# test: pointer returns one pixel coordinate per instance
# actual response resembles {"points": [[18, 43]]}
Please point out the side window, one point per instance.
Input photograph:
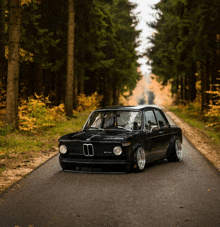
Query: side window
{"points": [[149, 119], [161, 120]]}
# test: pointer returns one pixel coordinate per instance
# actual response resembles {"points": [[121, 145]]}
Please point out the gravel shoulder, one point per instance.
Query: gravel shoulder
{"points": [[199, 140], [21, 167]]}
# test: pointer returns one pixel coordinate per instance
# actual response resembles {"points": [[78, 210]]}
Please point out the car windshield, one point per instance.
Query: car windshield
{"points": [[125, 120]]}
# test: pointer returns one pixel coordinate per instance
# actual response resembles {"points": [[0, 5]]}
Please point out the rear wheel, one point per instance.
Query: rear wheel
{"points": [[176, 151], [140, 158]]}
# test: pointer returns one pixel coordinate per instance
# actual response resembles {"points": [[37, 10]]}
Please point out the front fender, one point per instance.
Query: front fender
{"points": [[171, 142]]}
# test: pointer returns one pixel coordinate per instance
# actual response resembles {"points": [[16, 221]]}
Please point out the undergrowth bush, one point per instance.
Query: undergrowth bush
{"points": [[5, 129], [2, 97], [211, 118], [34, 113], [88, 103], [214, 110]]}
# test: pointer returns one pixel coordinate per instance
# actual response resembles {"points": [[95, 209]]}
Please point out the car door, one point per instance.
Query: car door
{"points": [[152, 137], [164, 134]]}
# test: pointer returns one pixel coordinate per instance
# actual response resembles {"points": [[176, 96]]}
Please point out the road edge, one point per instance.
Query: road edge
{"points": [[30, 170], [203, 143]]}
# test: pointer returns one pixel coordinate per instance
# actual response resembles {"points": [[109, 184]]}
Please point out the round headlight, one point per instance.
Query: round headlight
{"points": [[117, 150], [63, 149]]}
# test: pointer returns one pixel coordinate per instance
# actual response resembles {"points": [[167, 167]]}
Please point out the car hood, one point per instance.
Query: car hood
{"points": [[98, 136]]}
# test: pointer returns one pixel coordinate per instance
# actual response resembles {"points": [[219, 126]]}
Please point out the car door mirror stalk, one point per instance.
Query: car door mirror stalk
{"points": [[154, 128]]}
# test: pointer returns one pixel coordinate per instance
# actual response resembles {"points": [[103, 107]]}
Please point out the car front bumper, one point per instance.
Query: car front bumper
{"points": [[89, 161]]}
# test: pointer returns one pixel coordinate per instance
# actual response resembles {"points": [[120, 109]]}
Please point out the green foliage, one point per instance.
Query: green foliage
{"points": [[105, 41], [36, 41], [109, 56], [13, 143], [105, 57], [192, 115], [5, 129], [185, 49], [126, 43]]}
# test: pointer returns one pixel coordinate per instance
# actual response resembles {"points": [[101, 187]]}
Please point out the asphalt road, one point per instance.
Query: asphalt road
{"points": [[166, 194]]}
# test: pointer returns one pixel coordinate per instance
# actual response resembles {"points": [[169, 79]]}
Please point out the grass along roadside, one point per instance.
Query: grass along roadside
{"points": [[195, 119], [20, 148]]}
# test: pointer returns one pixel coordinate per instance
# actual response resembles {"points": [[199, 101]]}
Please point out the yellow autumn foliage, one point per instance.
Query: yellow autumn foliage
{"points": [[2, 97], [214, 110], [27, 2], [34, 113], [88, 103], [24, 55]]}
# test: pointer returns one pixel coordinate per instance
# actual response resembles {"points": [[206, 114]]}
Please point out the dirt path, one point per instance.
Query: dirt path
{"points": [[199, 140], [20, 166]]}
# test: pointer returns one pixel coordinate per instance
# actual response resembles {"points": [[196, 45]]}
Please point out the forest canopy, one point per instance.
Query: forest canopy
{"points": [[105, 39], [186, 50]]}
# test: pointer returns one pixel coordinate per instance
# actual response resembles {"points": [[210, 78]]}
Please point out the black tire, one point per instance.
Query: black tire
{"points": [[175, 150], [140, 158]]}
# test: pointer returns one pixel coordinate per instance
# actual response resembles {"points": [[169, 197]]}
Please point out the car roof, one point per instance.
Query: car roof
{"points": [[138, 107]]}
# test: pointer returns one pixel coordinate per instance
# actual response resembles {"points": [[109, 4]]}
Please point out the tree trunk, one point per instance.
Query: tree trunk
{"points": [[192, 83], [11, 116], [2, 42], [215, 78], [115, 94], [75, 90], [177, 90], [205, 85], [70, 61], [185, 90], [181, 89], [81, 81]]}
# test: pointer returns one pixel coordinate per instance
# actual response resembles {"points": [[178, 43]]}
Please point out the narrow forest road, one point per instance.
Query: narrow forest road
{"points": [[185, 193]]}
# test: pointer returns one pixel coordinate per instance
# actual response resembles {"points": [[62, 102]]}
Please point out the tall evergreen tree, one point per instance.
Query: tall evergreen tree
{"points": [[70, 88], [11, 116], [2, 41], [191, 51], [105, 41]]}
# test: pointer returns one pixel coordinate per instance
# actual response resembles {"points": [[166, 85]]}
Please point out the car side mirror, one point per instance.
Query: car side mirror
{"points": [[154, 128], [163, 125]]}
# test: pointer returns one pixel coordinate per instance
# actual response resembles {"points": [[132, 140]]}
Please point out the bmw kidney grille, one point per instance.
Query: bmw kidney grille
{"points": [[88, 150]]}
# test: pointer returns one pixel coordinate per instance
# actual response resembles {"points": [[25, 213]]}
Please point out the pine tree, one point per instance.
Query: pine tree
{"points": [[11, 116], [2, 42], [70, 92]]}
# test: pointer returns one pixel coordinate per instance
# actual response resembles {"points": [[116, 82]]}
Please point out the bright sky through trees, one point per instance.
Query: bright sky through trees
{"points": [[145, 15]]}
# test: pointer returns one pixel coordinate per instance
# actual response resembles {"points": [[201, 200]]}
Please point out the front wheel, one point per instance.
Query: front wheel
{"points": [[176, 151], [140, 158]]}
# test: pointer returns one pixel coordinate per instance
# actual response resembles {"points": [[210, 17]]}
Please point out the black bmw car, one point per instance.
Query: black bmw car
{"points": [[128, 136]]}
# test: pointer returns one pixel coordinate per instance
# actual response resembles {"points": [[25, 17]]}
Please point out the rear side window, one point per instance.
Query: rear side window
{"points": [[160, 118], [149, 119]]}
